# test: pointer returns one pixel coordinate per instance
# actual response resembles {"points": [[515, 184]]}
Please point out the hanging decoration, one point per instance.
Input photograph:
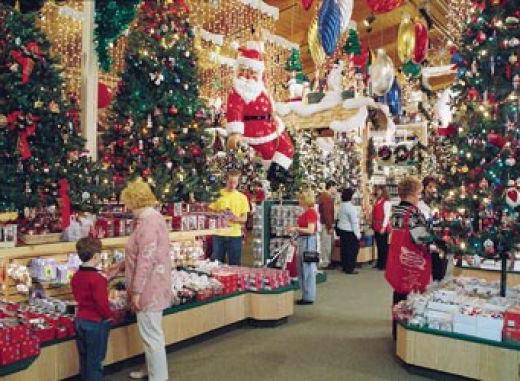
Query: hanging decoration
{"points": [[361, 60], [393, 98], [383, 6], [26, 57], [112, 18], [412, 69], [421, 42], [405, 39], [352, 45], [306, 4], [104, 95], [329, 25], [314, 40], [381, 73], [345, 8], [25, 126]]}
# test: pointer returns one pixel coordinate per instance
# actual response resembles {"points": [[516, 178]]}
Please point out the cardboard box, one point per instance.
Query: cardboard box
{"points": [[512, 318], [488, 323], [465, 329]]}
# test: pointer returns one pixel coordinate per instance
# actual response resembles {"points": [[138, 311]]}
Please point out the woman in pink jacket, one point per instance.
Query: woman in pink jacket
{"points": [[148, 276]]}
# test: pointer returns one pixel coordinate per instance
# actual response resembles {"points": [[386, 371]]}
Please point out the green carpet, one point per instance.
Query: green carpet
{"points": [[346, 335]]}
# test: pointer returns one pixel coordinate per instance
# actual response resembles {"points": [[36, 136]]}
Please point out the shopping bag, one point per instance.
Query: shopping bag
{"points": [[409, 266]]}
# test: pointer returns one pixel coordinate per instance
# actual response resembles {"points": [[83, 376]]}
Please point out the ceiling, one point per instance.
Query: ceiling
{"points": [[294, 22]]}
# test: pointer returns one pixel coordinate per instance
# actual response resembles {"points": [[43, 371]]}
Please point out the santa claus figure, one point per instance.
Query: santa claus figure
{"points": [[250, 115]]}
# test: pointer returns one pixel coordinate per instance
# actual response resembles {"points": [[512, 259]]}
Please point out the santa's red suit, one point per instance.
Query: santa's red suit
{"points": [[251, 114]]}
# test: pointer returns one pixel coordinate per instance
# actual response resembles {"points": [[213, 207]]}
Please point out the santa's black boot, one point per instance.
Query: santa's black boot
{"points": [[278, 175]]}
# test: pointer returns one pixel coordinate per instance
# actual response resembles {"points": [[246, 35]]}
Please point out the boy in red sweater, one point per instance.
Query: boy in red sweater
{"points": [[90, 290]]}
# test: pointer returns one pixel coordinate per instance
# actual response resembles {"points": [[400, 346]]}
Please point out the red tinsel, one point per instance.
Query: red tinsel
{"points": [[25, 57], [25, 125]]}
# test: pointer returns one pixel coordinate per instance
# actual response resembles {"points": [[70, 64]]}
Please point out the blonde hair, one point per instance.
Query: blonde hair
{"points": [[408, 187], [307, 197], [137, 195]]}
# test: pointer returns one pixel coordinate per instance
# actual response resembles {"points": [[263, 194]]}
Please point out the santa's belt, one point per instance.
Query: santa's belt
{"points": [[257, 117]]}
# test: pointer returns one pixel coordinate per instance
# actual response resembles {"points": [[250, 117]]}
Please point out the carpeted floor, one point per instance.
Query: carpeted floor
{"points": [[346, 335]]}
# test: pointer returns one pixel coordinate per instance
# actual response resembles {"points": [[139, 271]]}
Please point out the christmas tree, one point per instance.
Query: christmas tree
{"points": [[479, 214], [158, 123], [352, 45], [40, 142], [294, 64]]}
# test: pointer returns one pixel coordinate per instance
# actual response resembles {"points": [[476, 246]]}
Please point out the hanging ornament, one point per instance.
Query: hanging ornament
{"points": [[329, 23], [473, 94], [412, 69], [345, 8], [401, 153], [510, 161], [360, 60], [314, 40], [489, 247], [157, 78], [104, 95], [384, 153], [195, 151], [173, 110], [480, 37], [405, 39], [496, 139], [393, 98], [421, 42], [513, 197], [306, 4], [383, 6], [382, 73]]}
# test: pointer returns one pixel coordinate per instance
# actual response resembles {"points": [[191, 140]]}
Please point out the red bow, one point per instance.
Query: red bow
{"points": [[63, 192], [25, 57], [26, 126]]}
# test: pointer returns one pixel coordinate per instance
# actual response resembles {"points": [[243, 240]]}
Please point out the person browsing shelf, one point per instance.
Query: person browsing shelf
{"points": [[349, 232]]}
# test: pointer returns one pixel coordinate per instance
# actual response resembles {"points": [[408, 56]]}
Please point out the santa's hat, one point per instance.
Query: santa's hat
{"points": [[251, 56]]}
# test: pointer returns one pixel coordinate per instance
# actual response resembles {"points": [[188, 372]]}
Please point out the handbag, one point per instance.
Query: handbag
{"points": [[311, 256], [409, 265]]}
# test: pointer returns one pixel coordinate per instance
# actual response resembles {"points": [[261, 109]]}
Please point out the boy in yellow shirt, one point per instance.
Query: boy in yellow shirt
{"points": [[231, 200]]}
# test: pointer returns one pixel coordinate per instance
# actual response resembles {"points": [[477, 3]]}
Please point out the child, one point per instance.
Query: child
{"points": [[90, 290]]}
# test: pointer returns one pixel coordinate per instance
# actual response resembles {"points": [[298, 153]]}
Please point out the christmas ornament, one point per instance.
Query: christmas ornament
{"points": [[480, 37], [306, 4], [496, 139], [393, 98], [352, 45], [345, 8], [157, 78], [360, 60], [314, 41], [26, 57], [104, 95], [384, 153], [329, 23], [512, 196], [412, 69], [383, 6], [510, 162], [381, 73], [489, 247], [421, 42], [405, 39], [401, 154], [172, 110], [473, 94], [25, 126], [195, 151]]}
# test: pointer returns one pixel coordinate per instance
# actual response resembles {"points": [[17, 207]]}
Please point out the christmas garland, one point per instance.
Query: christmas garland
{"points": [[112, 19]]}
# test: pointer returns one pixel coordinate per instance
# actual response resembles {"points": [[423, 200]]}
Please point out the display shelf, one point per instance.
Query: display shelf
{"points": [[458, 354], [513, 277], [29, 251], [60, 360]]}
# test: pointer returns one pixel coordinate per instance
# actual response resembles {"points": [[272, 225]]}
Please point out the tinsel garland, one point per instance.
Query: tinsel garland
{"points": [[112, 19]]}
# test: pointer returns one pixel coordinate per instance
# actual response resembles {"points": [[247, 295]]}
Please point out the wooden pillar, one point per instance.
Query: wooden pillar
{"points": [[89, 79]]}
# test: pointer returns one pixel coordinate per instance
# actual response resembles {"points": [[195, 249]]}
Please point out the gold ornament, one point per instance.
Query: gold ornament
{"points": [[38, 104], [317, 52], [3, 120], [405, 39]]}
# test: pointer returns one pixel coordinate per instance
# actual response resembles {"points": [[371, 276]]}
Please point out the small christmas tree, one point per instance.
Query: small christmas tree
{"points": [[40, 142], [158, 122], [294, 64], [352, 45]]}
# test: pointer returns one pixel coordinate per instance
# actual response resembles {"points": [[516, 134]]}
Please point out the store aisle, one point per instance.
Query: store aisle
{"points": [[346, 335]]}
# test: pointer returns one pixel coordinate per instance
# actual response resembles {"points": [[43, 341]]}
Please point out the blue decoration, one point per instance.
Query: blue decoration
{"points": [[392, 98], [461, 72], [457, 59], [329, 25]]}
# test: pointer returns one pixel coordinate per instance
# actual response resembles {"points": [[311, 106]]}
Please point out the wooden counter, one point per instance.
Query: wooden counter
{"points": [[60, 360], [477, 359], [513, 278]]}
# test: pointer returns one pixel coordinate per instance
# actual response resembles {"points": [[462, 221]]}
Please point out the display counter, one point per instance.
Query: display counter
{"points": [[513, 277], [458, 354]]}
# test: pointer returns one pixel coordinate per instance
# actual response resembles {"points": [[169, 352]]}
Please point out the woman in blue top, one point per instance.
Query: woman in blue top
{"points": [[348, 231]]}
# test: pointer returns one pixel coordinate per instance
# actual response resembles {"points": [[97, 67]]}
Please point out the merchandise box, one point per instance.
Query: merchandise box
{"points": [[511, 334], [443, 307], [465, 329], [488, 323], [512, 319], [432, 315], [489, 334], [463, 319]]}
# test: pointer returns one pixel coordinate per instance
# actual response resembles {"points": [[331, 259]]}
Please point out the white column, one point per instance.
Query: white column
{"points": [[89, 79]]}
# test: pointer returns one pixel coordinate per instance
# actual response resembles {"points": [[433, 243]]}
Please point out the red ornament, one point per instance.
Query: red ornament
{"points": [[361, 60], [25, 57], [306, 4], [473, 94], [496, 139], [383, 6], [181, 152], [173, 110], [421, 42], [135, 150], [120, 142], [104, 95], [118, 178], [118, 127], [147, 172], [195, 151], [481, 37], [25, 126]]}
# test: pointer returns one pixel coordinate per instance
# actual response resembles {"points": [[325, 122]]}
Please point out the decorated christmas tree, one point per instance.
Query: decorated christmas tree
{"points": [[41, 149], [480, 186], [352, 45], [158, 124], [294, 64]]}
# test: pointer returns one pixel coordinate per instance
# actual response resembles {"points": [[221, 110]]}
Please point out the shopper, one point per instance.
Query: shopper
{"points": [[307, 242], [381, 223], [429, 195], [409, 264], [326, 209], [90, 290], [349, 232], [237, 204], [148, 276]]}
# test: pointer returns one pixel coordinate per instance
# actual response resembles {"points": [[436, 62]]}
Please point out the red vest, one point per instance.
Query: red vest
{"points": [[378, 215]]}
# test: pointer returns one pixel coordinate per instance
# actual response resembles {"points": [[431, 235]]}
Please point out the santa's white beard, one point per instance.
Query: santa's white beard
{"points": [[248, 89]]}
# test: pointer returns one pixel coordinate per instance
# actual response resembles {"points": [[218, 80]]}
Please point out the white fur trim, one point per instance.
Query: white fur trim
{"points": [[282, 160], [255, 45], [235, 127], [250, 63], [280, 126], [262, 139]]}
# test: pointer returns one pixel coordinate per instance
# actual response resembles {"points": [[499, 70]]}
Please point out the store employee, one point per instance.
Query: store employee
{"points": [[235, 202]]}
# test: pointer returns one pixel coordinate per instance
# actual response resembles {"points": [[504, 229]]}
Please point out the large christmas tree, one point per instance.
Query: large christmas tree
{"points": [[480, 213], [40, 141], [158, 124]]}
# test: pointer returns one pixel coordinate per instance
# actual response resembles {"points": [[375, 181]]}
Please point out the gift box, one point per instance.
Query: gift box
{"points": [[511, 334], [9, 354], [18, 333], [512, 318], [45, 333], [29, 347]]}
